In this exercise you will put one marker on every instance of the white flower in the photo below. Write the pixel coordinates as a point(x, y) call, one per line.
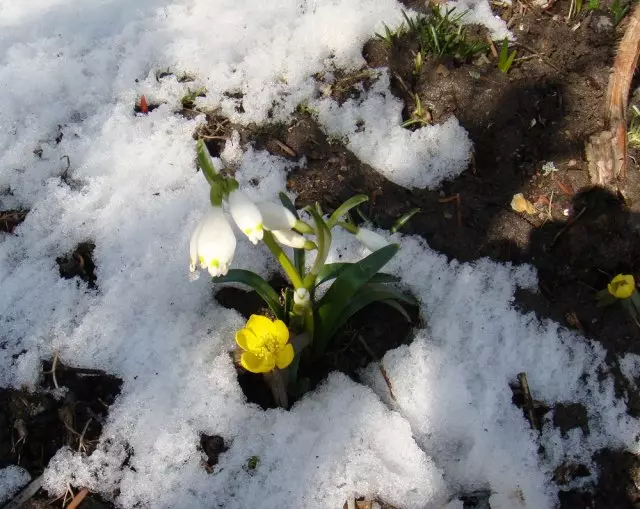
point(246, 215)
point(276, 216)
point(212, 244)
point(372, 240)
point(292, 239)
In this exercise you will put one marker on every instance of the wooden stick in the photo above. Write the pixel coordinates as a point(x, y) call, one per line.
point(77, 500)
point(528, 400)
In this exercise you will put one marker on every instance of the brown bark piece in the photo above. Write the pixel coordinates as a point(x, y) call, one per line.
point(606, 151)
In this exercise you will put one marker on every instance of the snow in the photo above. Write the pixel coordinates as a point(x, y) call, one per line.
point(12, 479)
point(131, 188)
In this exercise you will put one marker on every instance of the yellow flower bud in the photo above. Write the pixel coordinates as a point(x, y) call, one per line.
point(622, 286)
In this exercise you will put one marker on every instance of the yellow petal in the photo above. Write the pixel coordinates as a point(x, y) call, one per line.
point(262, 327)
point(247, 340)
point(622, 286)
point(285, 356)
point(256, 364)
point(282, 332)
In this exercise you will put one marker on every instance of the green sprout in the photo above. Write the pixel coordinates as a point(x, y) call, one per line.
point(442, 34)
point(593, 5)
point(505, 59)
point(404, 219)
point(419, 116)
point(418, 63)
point(390, 37)
point(312, 317)
point(575, 8)
point(622, 290)
point(188, 100)
point(633, 135)
point(618, 11)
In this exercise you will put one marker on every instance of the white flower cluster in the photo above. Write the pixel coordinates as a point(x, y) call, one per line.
point(213, 242)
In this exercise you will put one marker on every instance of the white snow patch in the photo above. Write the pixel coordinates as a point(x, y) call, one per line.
point(372, 126)
point(12, 479)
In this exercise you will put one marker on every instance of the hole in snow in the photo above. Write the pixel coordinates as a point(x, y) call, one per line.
point(79, 264)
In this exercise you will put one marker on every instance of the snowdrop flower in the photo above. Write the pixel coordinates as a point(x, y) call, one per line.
point(212, 244)
point(372, 240)
point(265, 345)
point(246, 215)
point(276, 216)
point(292, 239)
point(622, 286)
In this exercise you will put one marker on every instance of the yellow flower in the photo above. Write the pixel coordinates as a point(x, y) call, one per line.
point(265, 344)
point(622, 286)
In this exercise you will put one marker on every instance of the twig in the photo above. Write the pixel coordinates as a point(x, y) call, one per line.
point(569, 224)
point(383, 371)
point(539, 55)
point(528, 400)
point(492, 46)
point(77, 500)
point(285, 148)
point(81, 445)
point(455, 198)
point(53, 370)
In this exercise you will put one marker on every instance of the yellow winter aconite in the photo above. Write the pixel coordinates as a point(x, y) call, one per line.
point(265, 345)
point(622, 286)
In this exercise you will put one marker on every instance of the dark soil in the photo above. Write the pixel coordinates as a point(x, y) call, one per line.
point(9, 219)
point(79, 264)
point(34, 425)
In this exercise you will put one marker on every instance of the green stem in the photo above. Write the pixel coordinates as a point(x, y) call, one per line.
point(283, 259)
point(351, 228)
point(205, 163)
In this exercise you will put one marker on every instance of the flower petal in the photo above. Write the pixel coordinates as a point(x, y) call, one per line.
point(262, 327)
point(247, 340)
point(256, 364)
point(282, 332)
point(285, 356)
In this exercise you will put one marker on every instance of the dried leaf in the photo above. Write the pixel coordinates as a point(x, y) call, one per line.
point(520, 204)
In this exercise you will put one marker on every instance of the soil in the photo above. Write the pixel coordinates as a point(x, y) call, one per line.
point(542, 111)
point(34, 425)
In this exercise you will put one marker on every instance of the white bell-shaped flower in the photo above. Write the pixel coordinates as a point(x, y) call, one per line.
point(371, 240)
point(292, 239)
point(276, 216)
point(246, 215)
point(212, 244)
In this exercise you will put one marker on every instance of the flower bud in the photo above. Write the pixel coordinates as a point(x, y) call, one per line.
point(246, 215)
point(276, 216)
point(292, 239)
point(212, 244)
point(372, 240)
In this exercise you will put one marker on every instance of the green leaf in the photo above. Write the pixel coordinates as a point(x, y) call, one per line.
point(368, 294)
point(288, 204)
point(332, 270)
point(262, 288)
point(346, 285)
point(404, 219)
point(352, 202)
